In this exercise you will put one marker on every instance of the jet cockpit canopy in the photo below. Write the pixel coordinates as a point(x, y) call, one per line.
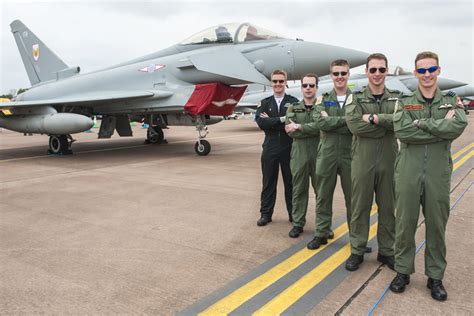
point(231, 33)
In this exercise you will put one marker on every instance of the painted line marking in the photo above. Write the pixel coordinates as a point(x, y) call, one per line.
point(292, 294)
point(462, 151)
point(463, 160)
point(257, 285)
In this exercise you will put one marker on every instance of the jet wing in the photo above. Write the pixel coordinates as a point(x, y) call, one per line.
point(84, 98)
point(228, 62)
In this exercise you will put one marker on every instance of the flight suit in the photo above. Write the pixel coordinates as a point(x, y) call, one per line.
point(303, 162)
point(333, 158)
point(275, 153)
point(374, 150)
point(423, 176)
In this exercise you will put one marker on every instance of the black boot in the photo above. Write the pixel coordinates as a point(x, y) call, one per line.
point(353, 262)
point(295, 232)
point(316, 243)
point(437, 289)
point(263, 221)
point(400, 282)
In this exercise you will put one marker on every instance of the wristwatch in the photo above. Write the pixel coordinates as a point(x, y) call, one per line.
point(371, 119)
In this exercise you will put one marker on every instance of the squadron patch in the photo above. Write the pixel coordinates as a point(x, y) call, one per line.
point(413, 107)
point(330, 103)
point(299, 110)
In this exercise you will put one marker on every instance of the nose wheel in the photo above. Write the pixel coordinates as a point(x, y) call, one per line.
point(202, 147)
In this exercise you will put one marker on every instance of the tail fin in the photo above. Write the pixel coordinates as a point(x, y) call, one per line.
point(40, 62)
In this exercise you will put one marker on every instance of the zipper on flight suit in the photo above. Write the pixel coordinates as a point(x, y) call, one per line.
point(425, 158)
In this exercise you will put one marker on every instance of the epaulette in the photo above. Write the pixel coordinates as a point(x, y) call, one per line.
point(319, 100)
point(394, 91)
point(450, 93)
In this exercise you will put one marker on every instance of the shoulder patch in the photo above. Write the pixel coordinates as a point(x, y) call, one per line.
point(413, 107)
point(319, 100)
point(349, 99)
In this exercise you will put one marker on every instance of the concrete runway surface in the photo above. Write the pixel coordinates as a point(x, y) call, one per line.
point(124, 227)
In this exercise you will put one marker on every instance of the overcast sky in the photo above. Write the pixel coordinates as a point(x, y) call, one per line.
point(96, 34)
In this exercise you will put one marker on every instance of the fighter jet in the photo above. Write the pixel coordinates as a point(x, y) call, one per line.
point(195, 82)
point(399, 79)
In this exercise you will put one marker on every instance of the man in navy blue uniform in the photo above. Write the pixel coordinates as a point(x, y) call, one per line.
point(270, 117)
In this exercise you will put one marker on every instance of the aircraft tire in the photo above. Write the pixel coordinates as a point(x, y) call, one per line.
point(58, 144)
point(156, 138)
point(202, 149)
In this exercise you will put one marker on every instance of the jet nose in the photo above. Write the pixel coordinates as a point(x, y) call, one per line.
point(316, 57)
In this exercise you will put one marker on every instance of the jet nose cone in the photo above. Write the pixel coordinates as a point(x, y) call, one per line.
point(316, 57)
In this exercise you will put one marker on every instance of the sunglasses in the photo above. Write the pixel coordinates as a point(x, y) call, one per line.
point(278, 81)
point(373, 70)
point(337, 73)
point(422, 71)
point(306, 85)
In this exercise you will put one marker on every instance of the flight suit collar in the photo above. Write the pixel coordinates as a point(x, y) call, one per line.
point(333, 96)
point(437, 97)
point(368, 94)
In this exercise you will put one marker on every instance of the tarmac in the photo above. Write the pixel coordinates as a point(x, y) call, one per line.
point(122, 227)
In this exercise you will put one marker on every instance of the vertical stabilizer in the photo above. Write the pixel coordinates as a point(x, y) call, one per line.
point(40, 62)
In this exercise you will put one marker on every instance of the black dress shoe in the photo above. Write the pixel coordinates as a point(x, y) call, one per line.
point(400, 282)
point(316, 243)
point(263, 221)
point(353, 262)
point(368, 249)
point(389, 261)
point(437, 289)
point(330, 234)
point(295, 232)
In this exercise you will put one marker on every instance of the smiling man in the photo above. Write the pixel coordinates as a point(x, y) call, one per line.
point(334, 153)
point(303, 153)
point(374, 148)
point(426, 124)
point(270, 117)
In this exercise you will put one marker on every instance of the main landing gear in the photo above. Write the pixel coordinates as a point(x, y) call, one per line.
point(60, 144)
point(202, 146)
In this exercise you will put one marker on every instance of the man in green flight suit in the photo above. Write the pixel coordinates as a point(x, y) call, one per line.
point(303, 151)
point(426, 124)
point(334, 152)
point(374, 148)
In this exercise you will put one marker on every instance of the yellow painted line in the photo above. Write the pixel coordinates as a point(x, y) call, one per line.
point(462, 151)
point(288, 297)
point(463, 160)
point(255, 286)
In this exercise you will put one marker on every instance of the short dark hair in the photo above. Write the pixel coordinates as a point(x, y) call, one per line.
point(424, 55)
point(376, 56)
point(339, 62)
point(279, 72)
point(311, 75)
